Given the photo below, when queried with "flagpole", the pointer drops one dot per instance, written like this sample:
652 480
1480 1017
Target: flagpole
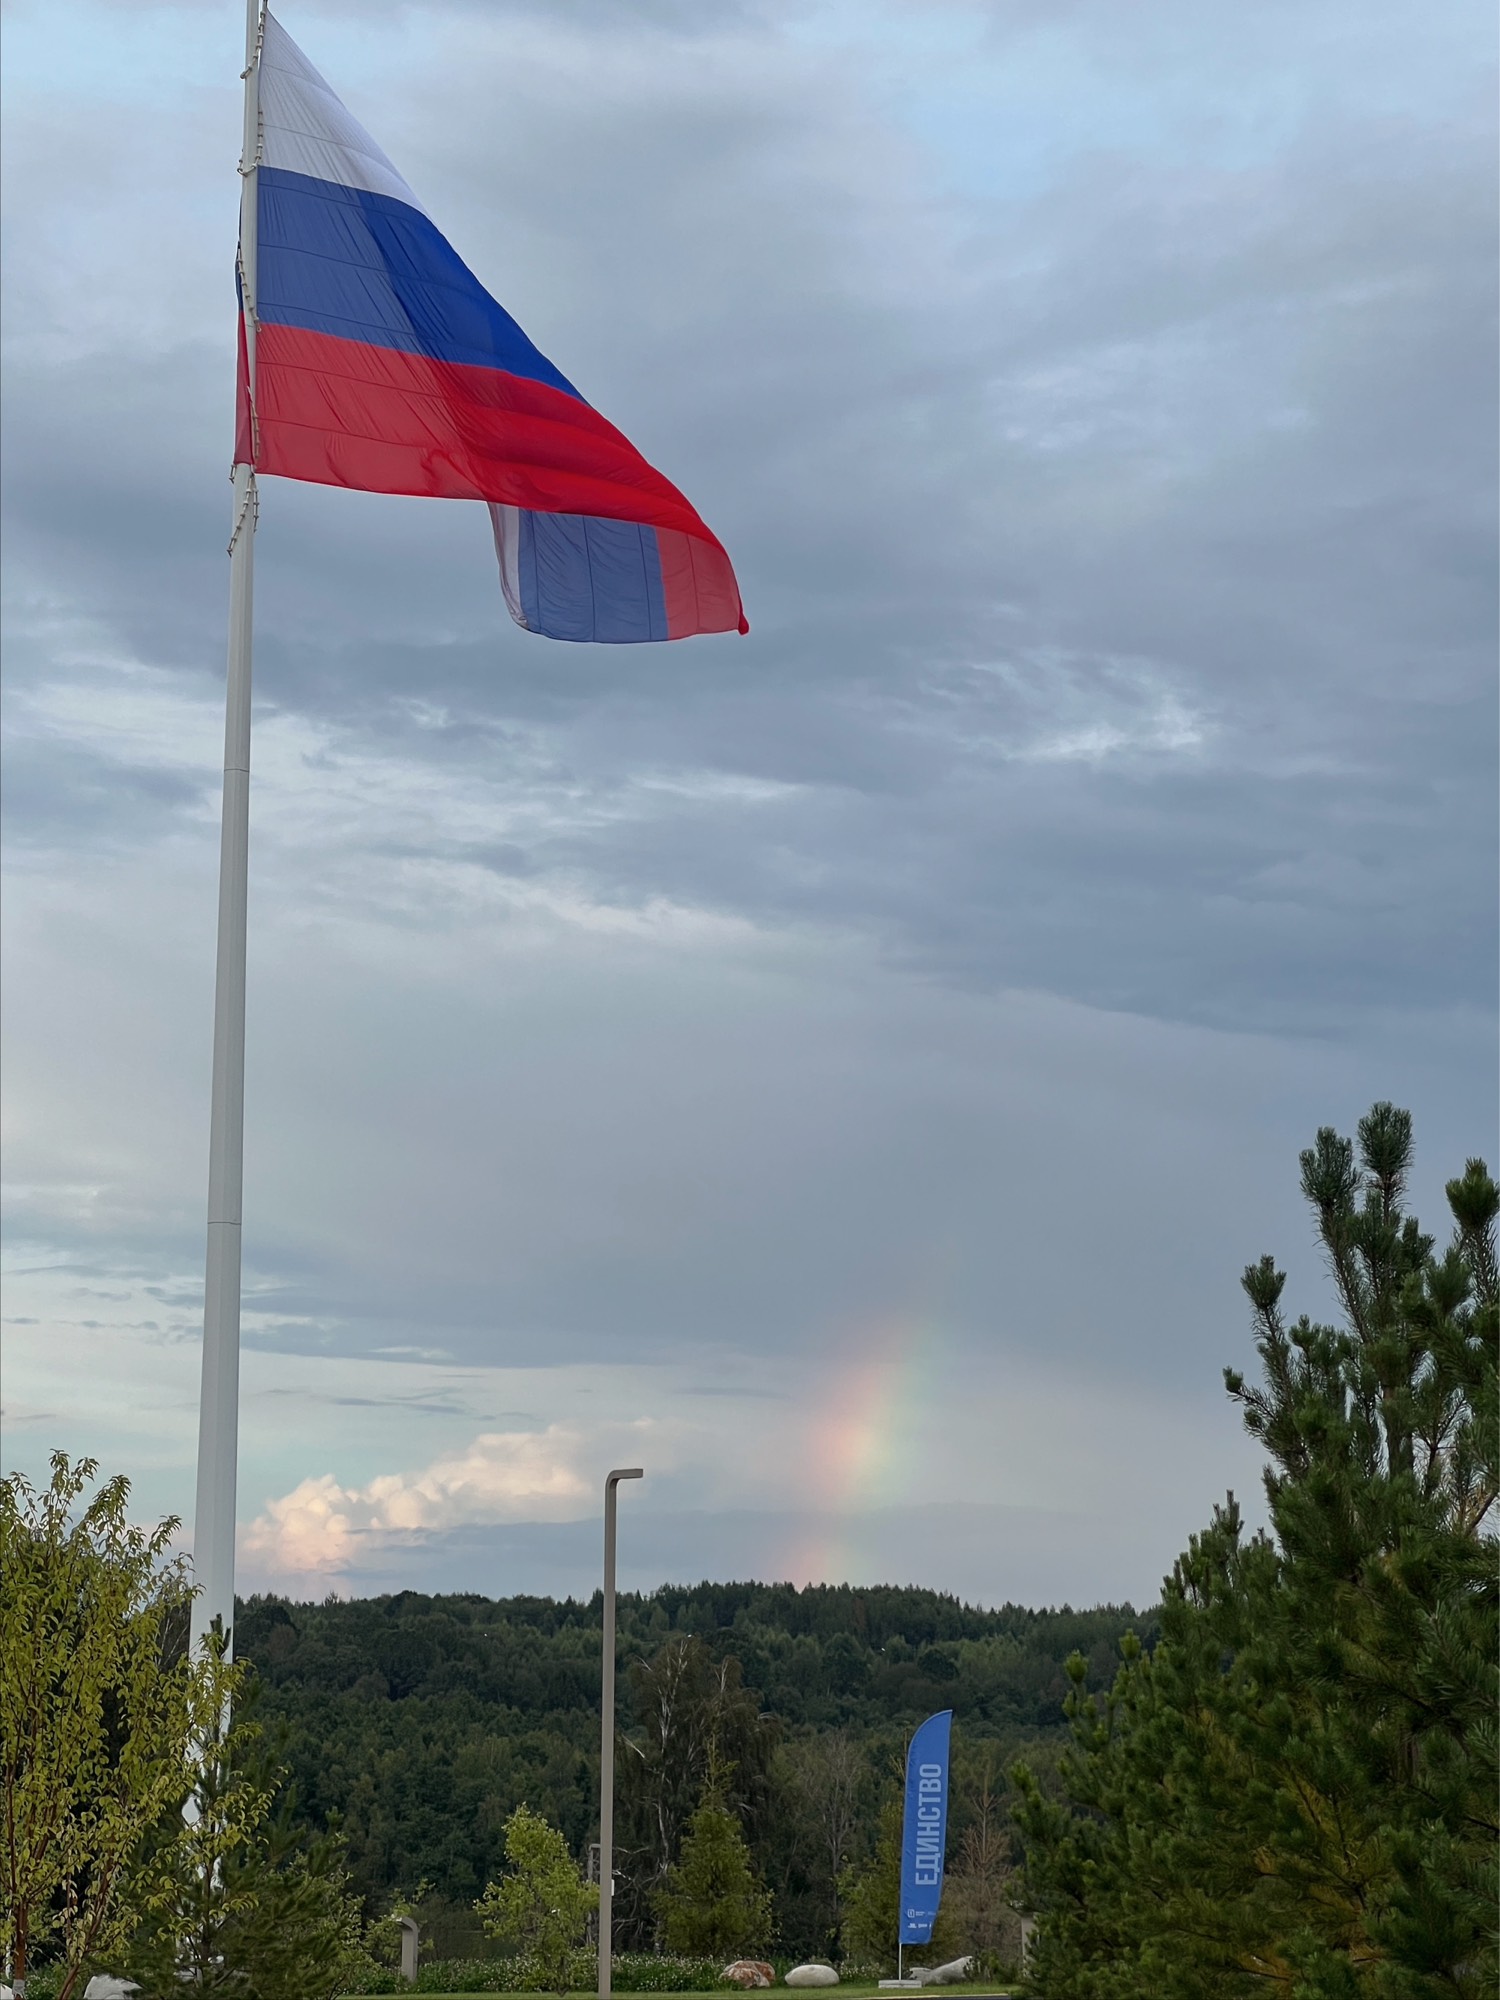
218 1409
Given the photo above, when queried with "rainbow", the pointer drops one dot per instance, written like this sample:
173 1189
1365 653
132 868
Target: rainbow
862 1443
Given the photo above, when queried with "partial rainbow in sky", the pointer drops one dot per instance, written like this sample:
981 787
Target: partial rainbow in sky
863 1440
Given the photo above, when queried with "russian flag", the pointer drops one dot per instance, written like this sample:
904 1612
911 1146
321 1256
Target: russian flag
382 363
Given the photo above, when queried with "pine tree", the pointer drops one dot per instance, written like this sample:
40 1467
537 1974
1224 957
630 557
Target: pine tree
1294 1795
713 1905
244 1900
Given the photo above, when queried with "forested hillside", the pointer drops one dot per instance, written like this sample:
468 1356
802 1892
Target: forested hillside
418 1723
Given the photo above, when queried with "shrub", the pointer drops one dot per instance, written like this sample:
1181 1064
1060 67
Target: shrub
634 1972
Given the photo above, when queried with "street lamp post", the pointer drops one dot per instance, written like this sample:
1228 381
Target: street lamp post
607 1737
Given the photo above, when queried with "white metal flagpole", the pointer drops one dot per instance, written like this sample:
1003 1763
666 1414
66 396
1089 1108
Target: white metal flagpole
219 1406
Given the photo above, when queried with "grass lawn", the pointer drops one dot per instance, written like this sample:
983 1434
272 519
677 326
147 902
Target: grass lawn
855 1989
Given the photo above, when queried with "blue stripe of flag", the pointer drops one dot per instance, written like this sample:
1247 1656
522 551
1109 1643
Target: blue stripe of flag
584 578
365 267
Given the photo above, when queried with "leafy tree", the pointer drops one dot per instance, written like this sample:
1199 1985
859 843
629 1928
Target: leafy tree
543 1905
695 1722
976 1891
712 1903
872 1901
1294 1795
823 1784
833 1778
100 1709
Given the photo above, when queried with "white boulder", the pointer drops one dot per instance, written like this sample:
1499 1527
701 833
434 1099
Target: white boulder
105 1986
952 1974
812 1975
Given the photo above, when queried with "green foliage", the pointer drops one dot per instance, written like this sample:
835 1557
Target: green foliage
99 1709
823 1799
711 1903
872 1903
244 1901
977 1889
697 1728
633 1972
543 1905
382 1939
1294 1794
417 1724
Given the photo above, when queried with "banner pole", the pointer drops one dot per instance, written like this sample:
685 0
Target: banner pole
218 1409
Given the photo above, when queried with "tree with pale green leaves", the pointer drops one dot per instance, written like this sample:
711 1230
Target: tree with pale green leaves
100 1712
543 1905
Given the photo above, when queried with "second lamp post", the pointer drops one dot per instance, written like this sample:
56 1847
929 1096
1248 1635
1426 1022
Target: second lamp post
607 1737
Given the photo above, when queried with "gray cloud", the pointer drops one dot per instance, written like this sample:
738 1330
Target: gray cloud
1025 1555
1125 565
1103 427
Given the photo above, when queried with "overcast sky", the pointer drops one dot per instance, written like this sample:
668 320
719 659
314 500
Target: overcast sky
843 1069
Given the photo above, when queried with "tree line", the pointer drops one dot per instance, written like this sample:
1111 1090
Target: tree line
1280 1782
417 1724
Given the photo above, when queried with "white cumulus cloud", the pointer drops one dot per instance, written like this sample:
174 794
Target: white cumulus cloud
321 1528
